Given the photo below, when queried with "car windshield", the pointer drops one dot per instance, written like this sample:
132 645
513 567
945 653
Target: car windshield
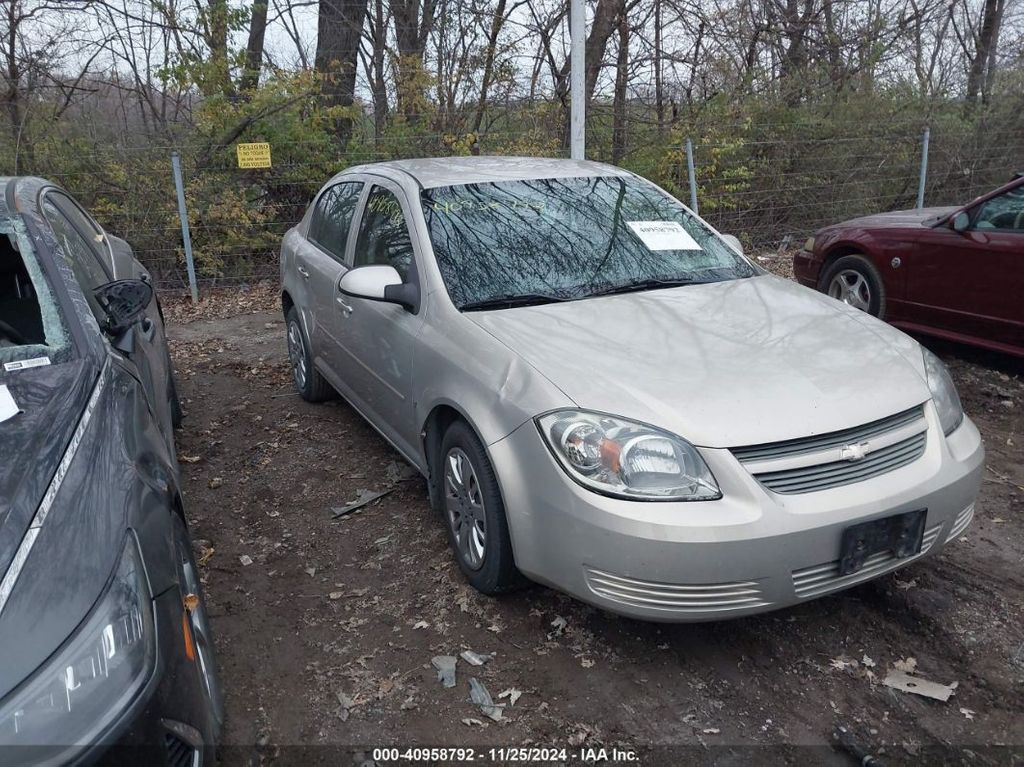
510 243
32 327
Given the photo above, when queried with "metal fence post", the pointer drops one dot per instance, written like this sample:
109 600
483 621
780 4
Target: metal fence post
691 176
577 80
183 215
924 167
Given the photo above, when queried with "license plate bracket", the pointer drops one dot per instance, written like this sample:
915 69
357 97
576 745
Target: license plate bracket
902 534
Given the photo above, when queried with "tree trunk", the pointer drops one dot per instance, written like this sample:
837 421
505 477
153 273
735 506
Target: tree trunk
413 24
254 49
606 17
378 85
216 32
659 84
485 81
339 32
619 98
987 40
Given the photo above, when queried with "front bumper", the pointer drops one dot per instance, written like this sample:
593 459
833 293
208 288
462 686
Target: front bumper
169 723
806 268
751 551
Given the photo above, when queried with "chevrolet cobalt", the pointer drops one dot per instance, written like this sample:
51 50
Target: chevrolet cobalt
607 397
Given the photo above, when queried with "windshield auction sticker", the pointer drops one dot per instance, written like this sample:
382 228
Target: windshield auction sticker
663 235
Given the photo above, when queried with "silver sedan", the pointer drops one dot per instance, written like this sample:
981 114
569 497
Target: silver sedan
607 397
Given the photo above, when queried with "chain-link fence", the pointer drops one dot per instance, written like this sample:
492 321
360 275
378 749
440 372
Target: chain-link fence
771 184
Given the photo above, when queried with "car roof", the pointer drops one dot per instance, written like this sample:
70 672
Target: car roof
430 172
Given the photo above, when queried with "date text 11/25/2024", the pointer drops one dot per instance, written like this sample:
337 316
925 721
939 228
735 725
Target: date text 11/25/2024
502 755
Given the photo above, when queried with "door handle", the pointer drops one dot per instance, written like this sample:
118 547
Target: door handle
303 272
345 308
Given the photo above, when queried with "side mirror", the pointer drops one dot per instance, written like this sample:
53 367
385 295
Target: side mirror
380 283
960 222
734 242
123 302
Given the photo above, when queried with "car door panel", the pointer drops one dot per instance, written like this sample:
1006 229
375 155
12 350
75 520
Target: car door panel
968 282
321 259
379 338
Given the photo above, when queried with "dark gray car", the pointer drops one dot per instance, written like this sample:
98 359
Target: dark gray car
102 621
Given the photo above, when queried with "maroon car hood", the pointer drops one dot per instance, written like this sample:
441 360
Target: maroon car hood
901 218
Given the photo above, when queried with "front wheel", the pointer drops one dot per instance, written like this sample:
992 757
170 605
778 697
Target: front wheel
475 513
855 281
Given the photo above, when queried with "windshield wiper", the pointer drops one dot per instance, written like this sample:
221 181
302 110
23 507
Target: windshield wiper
650 284
510 301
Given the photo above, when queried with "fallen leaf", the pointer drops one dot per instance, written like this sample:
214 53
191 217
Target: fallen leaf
968 713
190 458
512 694
245 559
906 665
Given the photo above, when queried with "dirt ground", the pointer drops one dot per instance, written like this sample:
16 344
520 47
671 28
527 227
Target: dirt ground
326 629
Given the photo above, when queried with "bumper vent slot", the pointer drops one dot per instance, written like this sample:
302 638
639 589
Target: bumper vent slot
961 523
179 753
821 579
816 463
687 599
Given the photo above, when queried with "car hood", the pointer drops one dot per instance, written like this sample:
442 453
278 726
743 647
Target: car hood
722 364
32 443
70 560
901 218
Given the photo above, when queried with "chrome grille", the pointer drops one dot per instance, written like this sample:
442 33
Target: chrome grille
678 598
825 441
820 579
817 463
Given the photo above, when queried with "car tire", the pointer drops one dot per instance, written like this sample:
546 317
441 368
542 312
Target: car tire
474 513
855 281
199 624
307 379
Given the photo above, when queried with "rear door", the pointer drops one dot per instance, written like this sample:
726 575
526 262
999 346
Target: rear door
321 260
970 282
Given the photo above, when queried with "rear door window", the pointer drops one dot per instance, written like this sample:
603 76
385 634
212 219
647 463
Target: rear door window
332 217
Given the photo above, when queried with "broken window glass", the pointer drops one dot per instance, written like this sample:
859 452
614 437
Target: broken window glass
32 326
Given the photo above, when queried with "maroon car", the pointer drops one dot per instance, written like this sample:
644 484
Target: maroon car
956 273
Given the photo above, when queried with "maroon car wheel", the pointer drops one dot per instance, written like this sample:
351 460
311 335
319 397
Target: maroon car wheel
855 281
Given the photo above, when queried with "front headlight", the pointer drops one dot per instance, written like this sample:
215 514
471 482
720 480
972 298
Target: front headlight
809 245
627 459
95 674
947 401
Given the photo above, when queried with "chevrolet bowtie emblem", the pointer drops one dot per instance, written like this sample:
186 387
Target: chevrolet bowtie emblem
855 452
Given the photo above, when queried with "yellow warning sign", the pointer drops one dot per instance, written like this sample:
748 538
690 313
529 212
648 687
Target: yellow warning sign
254 155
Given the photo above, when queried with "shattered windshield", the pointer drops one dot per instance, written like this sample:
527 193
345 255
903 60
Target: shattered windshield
515 242
32 328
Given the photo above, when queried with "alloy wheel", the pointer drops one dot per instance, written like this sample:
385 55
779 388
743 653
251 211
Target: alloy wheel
297 354
464 505
852 288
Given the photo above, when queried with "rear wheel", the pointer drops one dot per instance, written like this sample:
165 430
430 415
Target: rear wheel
855 281
311 385
198 622
475 513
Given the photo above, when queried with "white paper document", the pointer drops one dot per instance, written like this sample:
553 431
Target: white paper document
663 235
8 407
